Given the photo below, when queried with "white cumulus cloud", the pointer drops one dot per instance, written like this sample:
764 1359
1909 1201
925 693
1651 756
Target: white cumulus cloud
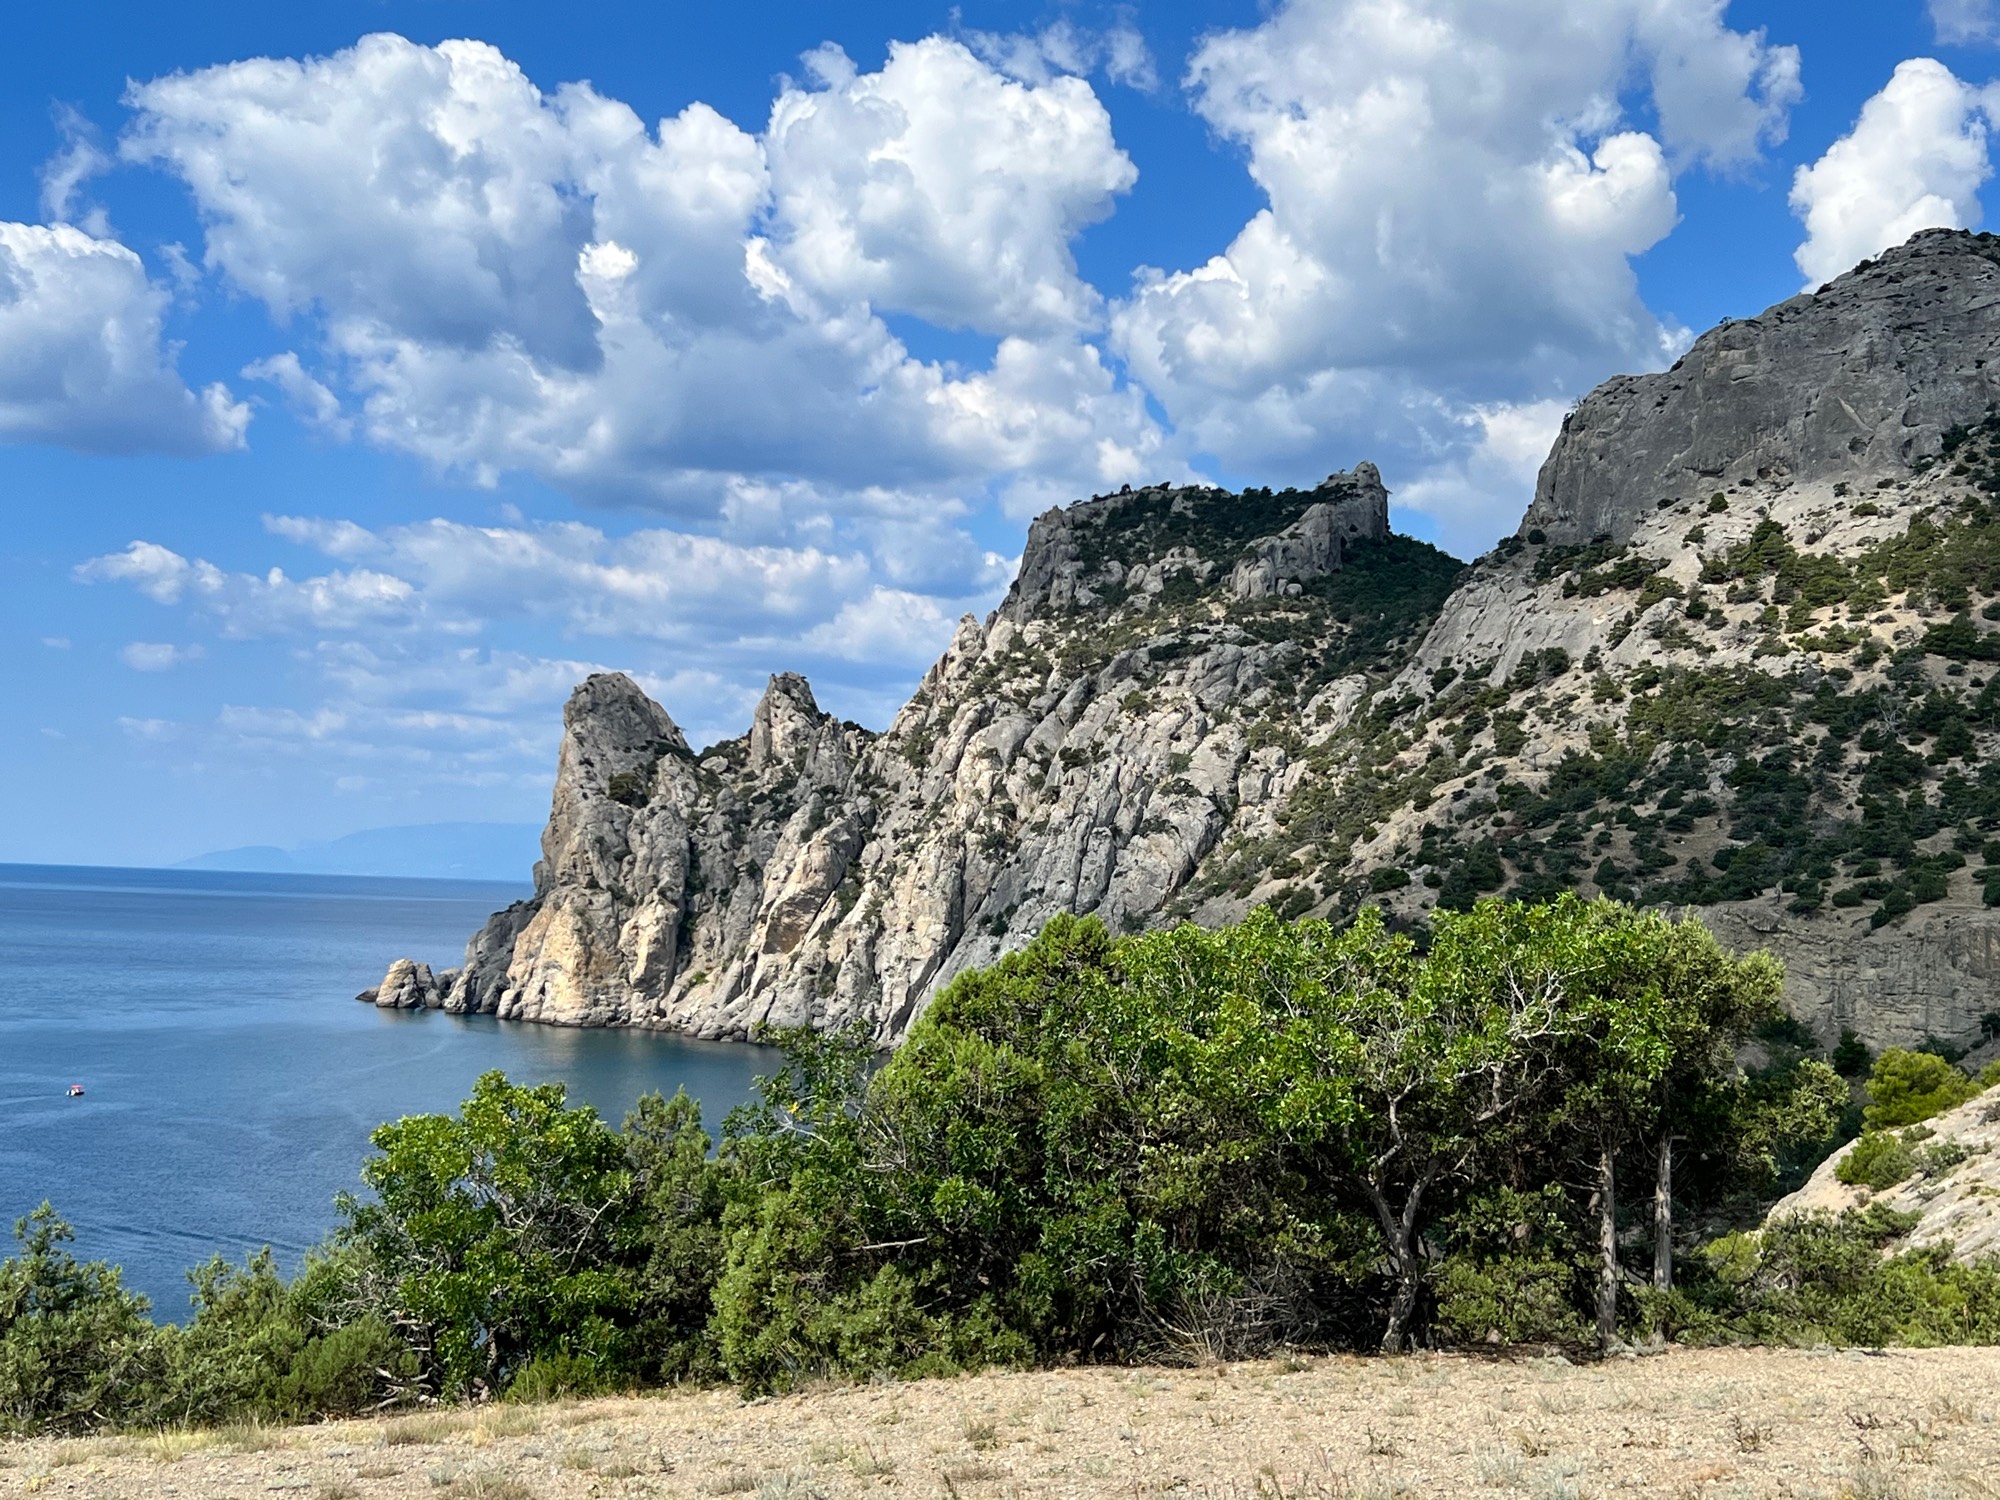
1064 47
941 188
311 399
158 656
503 278
888 625
1914 160
252 604
83 360
1961 22
1455 191
1504 452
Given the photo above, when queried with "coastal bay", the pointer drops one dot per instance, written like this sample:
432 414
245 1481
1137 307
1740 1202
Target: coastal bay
230 1079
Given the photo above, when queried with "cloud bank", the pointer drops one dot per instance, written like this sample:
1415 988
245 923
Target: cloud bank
83 360
1914 160
734 333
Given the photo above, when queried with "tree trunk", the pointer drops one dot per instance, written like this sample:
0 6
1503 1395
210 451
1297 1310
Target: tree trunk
1399 1239
1607 1250
1401 1307
1663 1218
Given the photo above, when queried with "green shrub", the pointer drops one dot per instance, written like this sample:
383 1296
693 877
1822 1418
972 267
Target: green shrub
1514 1299
1516 1265
345 1372
545 1377
494 1235
1816 1279
230 1359
1906 1087
1850 1057
1879 1159
77 1350
1936 1158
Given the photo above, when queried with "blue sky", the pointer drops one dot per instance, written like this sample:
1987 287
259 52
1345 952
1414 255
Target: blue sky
369 372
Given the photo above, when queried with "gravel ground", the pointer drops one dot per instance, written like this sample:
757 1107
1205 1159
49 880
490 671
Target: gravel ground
1707 1423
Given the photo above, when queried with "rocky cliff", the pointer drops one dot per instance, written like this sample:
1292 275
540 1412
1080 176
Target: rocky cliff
1949 1182
1855 382
1739 658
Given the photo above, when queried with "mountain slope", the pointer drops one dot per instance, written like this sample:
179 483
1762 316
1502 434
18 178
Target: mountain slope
1735 659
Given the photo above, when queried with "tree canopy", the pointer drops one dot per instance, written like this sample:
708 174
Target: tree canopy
1184 1144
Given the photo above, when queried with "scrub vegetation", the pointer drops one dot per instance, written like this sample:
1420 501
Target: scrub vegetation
1528 1127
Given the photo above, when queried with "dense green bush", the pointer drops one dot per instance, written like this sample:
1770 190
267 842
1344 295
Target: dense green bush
1879 1159
1172 1145
73 1341
1906 1087
1816 1279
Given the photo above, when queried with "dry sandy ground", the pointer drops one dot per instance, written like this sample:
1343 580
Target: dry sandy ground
1685 1423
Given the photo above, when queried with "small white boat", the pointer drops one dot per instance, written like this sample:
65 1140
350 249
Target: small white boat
76 1091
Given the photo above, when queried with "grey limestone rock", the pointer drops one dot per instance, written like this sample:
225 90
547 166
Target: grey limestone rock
1854 382
1172 714
1314 545
409 986
1066 754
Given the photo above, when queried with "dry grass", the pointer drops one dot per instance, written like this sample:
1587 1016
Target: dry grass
1699 1424
172 1444
487 1484
424 1431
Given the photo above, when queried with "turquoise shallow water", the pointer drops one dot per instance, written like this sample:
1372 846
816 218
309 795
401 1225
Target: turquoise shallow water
231 1079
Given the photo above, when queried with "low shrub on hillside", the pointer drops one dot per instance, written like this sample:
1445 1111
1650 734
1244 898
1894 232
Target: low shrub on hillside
1817 1279
1906 1087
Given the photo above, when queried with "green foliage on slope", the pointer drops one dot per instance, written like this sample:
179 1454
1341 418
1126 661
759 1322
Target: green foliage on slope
1177 1145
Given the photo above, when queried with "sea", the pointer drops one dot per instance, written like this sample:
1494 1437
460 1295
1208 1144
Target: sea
230 1078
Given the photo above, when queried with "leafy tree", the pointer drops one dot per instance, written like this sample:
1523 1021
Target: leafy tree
76 1348
494 1235
1435 1060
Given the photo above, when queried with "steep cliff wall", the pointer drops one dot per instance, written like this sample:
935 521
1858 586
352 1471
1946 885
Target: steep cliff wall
1740 658
1858 381
1084 749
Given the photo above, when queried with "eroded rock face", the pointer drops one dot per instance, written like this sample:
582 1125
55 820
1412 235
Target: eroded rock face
1937 974
1856 382
1766 699
1085 749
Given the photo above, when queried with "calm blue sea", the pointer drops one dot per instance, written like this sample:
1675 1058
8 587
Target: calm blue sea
231 1079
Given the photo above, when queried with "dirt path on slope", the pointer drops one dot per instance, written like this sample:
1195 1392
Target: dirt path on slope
1721 1423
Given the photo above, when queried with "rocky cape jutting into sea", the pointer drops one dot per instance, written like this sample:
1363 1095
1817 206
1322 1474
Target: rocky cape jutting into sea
1738 659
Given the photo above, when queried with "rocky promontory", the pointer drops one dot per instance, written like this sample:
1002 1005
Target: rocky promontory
1740 658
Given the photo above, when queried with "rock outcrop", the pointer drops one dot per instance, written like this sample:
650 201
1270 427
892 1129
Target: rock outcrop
1740 659
1084 749
1953 1187
409 986
1856 382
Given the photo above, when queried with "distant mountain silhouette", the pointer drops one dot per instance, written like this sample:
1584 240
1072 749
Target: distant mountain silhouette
444 851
